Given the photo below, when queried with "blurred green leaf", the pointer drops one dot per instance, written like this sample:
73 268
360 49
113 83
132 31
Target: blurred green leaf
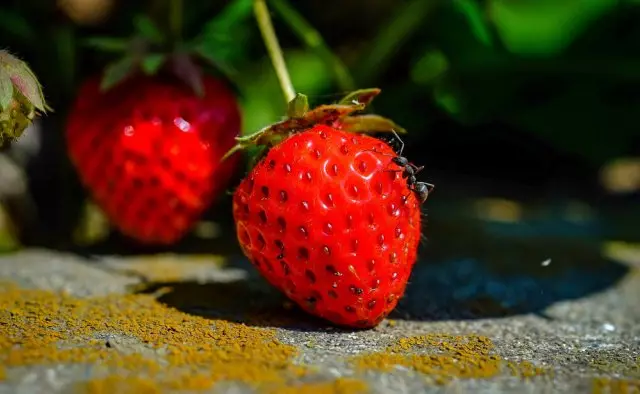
15 24
448 99
107 44
64 39
152 63
236 12
314 41
147 29
211 56
430 66
580 123
475 16
390 37
223 37
116 72
261 93
544 27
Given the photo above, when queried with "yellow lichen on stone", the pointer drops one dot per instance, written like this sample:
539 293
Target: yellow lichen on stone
443 357
41 327
120 385
615 386
338 386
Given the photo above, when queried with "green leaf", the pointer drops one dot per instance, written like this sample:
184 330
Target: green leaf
236 12
409 17
298 106
361 96
314 41
148 29
429 67
210 55
448 99
13 23
476 18
544 27
152 63
578 121
116 72
107 44
64 39
260 84
224 39
371 123
6 89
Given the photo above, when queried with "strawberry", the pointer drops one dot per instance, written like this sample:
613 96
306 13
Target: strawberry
146 135
327 217
149 151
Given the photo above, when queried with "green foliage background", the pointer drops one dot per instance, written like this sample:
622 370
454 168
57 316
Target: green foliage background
566 71
484 87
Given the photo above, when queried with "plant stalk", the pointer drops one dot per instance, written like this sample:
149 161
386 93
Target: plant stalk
273 48
314 40
176 8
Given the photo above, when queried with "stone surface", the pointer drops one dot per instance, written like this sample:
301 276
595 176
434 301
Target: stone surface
576 326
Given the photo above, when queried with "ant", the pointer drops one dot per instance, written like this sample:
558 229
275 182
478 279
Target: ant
409 172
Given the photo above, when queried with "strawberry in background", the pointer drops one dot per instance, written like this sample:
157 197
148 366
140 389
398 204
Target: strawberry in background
146 136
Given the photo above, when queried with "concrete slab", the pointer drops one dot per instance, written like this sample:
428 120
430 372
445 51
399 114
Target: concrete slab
179 323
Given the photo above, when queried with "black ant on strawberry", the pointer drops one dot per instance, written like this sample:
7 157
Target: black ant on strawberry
410 171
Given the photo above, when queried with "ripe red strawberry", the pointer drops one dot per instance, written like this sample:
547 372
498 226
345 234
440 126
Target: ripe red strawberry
328 219
149 151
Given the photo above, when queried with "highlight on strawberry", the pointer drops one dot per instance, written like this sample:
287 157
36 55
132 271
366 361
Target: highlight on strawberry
329 215
21 97
146 135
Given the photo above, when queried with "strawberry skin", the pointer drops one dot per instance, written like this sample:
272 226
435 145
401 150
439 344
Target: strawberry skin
148 151
325 219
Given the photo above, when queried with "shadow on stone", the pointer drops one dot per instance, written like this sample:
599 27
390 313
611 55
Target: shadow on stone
489 285
249 301
498 277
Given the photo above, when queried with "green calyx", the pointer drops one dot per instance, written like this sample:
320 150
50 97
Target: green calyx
341 115
148 52
21 97
157 46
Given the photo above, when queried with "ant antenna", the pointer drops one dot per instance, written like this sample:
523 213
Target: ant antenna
400 140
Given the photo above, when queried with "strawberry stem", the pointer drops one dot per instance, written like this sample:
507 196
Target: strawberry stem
273 48
312 38
175 19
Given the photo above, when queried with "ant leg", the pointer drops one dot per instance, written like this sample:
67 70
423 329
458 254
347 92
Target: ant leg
416 168
430 186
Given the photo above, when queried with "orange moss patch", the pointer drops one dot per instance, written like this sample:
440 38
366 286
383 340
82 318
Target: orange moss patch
114 384
41 327
615 386
121 385
338 386
444 357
